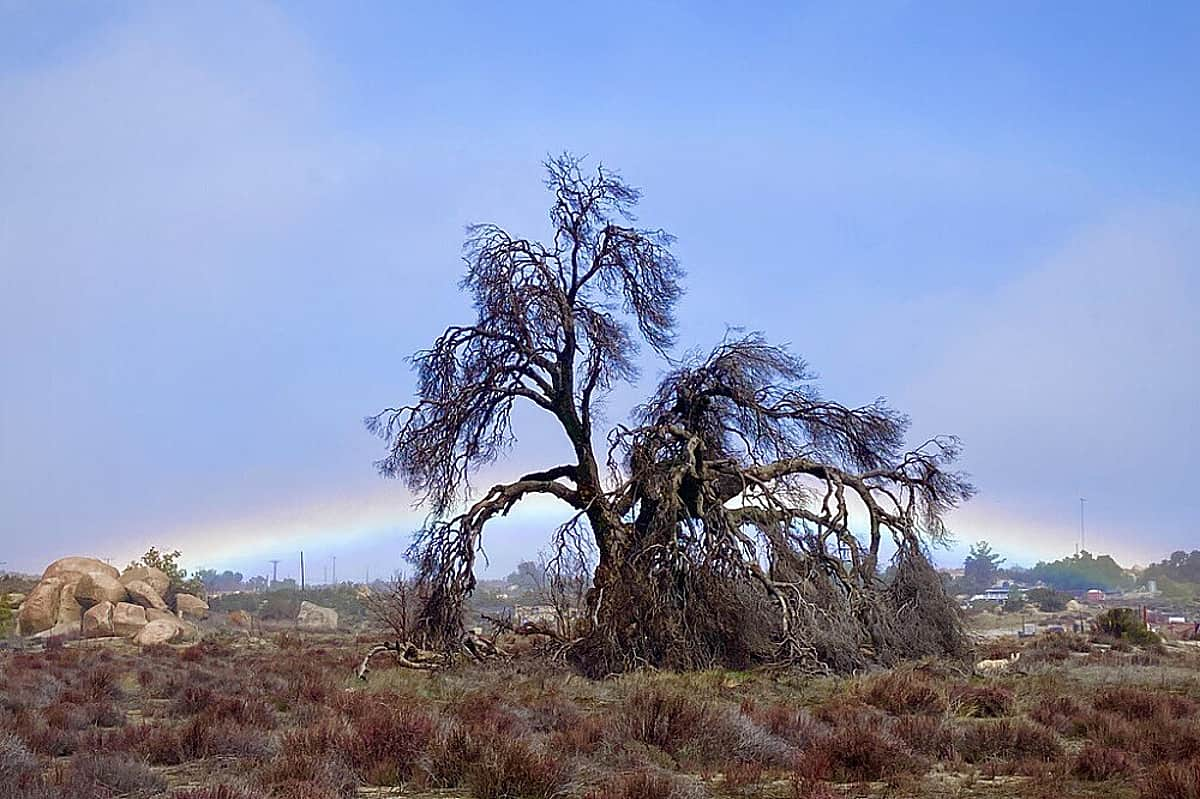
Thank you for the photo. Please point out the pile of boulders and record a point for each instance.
(85, 597)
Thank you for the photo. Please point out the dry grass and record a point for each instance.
(284, 720)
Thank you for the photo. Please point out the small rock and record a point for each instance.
(240, 618)
(15, 599)
(315, 617)
(145, 595)
(128, 619)
(189, 606)
(98, 620)
(96, 588)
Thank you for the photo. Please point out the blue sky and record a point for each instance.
(223, 227)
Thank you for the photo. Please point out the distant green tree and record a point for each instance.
(980, 568)
(528, 575)
(1082, 572)
(224, 581)
(1177, 576)
(1177, 589)
(1125, 624)
(1048, 600)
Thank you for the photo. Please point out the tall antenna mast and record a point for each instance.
(1082, 539)
(274, 572)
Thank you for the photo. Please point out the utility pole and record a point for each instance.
(1082, 539)
(302, 571)
(274, 572)
(334, 569)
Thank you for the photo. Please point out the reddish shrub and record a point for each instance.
(795, 725)
(1007, 739)
(451, 751)
(925, 735)
(861, 749)
(981, 701)
(46, 740)
(1173, 781)
(903, 694)
(1169, 740)
(388, 742)
(1134, 704)
(485, 712)
(1108, 729)
(1063, 714)
(104, 714)
(101, 682)
(1099, 763)
(309, 686)
(66, 716)
(584, 737)
(310, 764)
(999, 649)
(508, 768)
(191, 699)
(248, 712)
(117, 774)
(663, 718)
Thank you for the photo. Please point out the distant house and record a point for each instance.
(999, 592)
(1093, 595)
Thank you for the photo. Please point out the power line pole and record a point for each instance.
(274, 572)
(334, 569)
(1082, 539)
(302, 571)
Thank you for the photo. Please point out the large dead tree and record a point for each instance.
(739, 518)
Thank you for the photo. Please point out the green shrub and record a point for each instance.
(168, 563)
(6, 616)
(1124, 625)
(1048, 600)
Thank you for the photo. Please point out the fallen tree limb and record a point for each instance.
(410, 656)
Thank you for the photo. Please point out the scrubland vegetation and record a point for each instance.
(235, 718)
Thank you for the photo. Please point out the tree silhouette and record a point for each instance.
(720, 515)
(980, 567)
